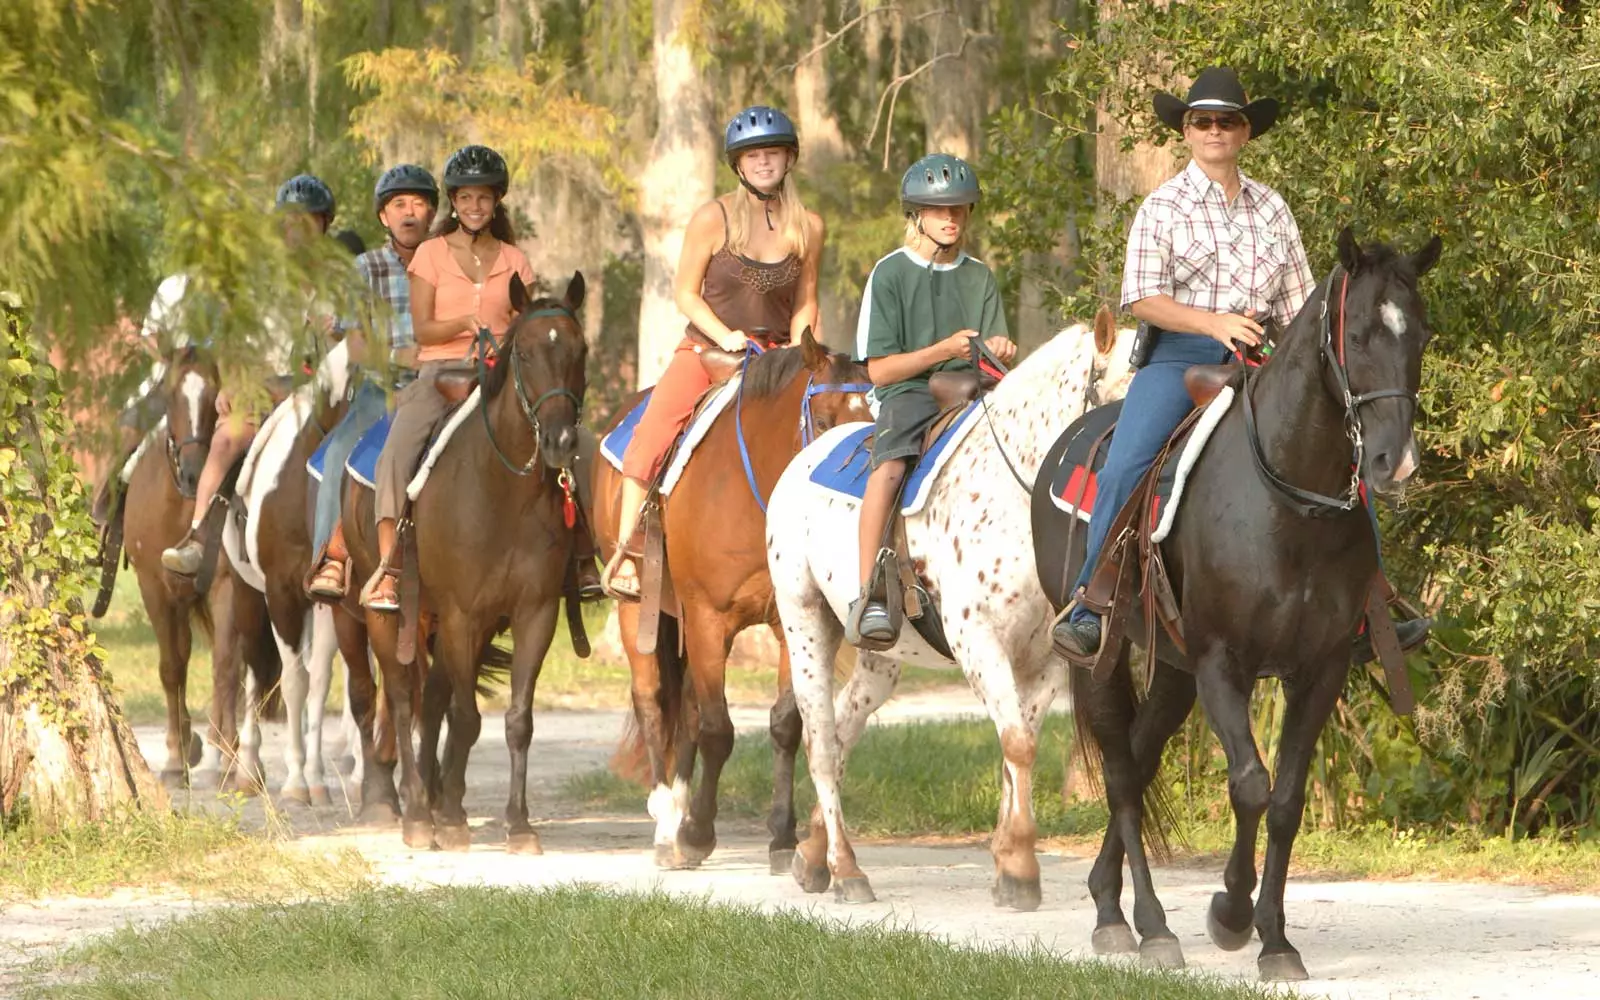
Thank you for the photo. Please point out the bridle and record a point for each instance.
(1309, 503)
(175, 448)
(486, 355)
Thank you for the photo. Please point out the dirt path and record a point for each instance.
(1361, 939)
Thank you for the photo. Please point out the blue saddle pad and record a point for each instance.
(613, 445)
(319, 458)
(363, 463)
(844, 470)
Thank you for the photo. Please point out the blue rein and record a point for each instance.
(807, 424)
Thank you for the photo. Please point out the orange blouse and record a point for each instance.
(455, 294)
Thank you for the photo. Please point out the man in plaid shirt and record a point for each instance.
(405, 201)
(1211, 254)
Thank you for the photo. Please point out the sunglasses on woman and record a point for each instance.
(1226, 123)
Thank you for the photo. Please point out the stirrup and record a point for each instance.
(608, 581)
(369, 594)
(322, 578)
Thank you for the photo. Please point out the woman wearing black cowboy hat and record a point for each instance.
(1211, 255)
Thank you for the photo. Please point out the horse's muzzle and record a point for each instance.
(560, 446)
(1389, 471)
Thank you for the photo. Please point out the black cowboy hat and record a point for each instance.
(1217, 89)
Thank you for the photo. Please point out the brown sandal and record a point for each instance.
(331, 582)
(626, 589)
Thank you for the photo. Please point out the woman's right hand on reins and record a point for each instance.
(1234, 331)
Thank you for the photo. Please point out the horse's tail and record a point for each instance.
(631, 760)
(1160, 814)
(494, 667)
(110, 558)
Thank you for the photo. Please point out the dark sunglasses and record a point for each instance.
(1226, 123)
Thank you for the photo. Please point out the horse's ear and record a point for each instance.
(573, 299)
(519, 295)
(1423, 260)
(815, 355)
(1349, 250)
(1105, 329)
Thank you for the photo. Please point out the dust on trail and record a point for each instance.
(1366, 940)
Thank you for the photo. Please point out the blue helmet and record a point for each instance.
(306, 193)
(939, 179)
(407, 178)
(758, 126)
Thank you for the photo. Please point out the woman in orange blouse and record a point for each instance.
(460, 282)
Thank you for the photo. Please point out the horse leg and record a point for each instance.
(783, 725)
(431, 695)
(379, 802)
(399, 685)
(171, 625)
(1168, 703)
(249, 777)
(1226, 699)
(1306, 711)
(458, 645)
(708, 643)
(227, 656)
(657, 710)
(295, 686)
(531, 636)
(324, 644)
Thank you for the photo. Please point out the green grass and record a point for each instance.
(199, 853)
(918, 779)
(565, 682)
(573, 943)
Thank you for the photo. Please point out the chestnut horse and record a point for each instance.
(492, 551)
(153, 513)
(787, 396)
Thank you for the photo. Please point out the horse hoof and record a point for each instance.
(1017, 893)
(175, 781)
(197, 748)
(453, 838)
(692, 854)
(1114, 939)
(379, 813)
(811, 879)
(855, 889)
(417, 835)
(1282, 967)
(1222, 935)
(780, 862)
(320, 796)
(523, 842)
(300, 795)
(240, 785)
(1161, 953)
(667, 857)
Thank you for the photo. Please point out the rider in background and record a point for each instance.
(460, 282)
(307, 208)
(405, 200)
(748, 271)
(922, 307)
(1211, 254)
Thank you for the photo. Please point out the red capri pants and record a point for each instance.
(671, 403)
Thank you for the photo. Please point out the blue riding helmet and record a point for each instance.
(306, 193)
(407, 178)
(939, 179)
(755, 127)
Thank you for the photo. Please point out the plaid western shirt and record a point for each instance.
(1188, 242)
(385, 273)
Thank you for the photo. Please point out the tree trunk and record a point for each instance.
(65, 748)
(954, 90)
(1144, 168)
(823, 149)
(677, 180)
(508, 31)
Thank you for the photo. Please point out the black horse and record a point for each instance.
(1272, 559)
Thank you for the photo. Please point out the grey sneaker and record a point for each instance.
(868, 626)
(184, 558)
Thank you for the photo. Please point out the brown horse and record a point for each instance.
(272, 551)
(154, 513)
(720, 577)
(492, 551)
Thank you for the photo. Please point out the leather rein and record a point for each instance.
(486, 355)
(1309, 503)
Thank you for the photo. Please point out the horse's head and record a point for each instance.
(1374, 339)
(837, 390)
(191, 395)
(1110, 373)
(544, 356)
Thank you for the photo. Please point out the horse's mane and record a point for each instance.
(495, 378)
(768, 373)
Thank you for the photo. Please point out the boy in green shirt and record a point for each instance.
(923, 305)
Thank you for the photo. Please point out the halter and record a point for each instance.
(807, 421)
(486, 356)
(1309, 503)
(173, 448)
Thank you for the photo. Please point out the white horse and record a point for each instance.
(303, 631)
(972, 542)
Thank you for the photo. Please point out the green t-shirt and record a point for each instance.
(908, 306)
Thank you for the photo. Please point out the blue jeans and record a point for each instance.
(366, 409)
(1155, 405)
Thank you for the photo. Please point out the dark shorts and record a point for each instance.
(903, 421)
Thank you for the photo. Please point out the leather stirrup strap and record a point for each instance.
(211, 543)
(650, 578)
(1380, 628)
(574, 609)
(110, 555)
(410, 589)
(908, 578)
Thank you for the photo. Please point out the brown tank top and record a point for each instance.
(749, 295)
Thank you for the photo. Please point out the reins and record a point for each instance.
(486, 355)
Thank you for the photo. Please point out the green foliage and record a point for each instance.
(578, 942)
(1480, 123)
(45, 536)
